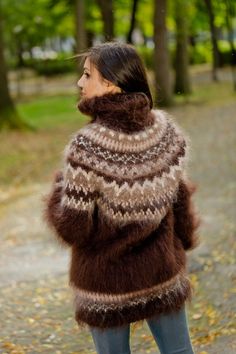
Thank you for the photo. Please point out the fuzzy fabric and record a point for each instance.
(135, 106)
(123, 203)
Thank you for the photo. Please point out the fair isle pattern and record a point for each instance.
(99, 302)
(123, 142)
(131, 177)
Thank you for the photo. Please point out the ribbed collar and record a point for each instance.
(126, 112)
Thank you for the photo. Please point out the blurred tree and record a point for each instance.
(76, 8)
(143, 18)
(230, 15)
(91, 18)
(133, 20)
(182, 79)
(9, 117)
(81, 39)
(106, 7)
(215, 52)
(161, 55)
(29, 27)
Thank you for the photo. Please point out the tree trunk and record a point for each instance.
(9, 118)
(106, 7)
(215, 48)
(81, 40)
(20, 61)
(161, 55)
(132, 23)
(182, 80)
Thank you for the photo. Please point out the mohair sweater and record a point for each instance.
(123, 203)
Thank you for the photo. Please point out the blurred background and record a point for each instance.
(189, 49)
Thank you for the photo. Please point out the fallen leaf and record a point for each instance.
(196, 316)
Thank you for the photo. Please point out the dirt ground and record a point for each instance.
(36, 308)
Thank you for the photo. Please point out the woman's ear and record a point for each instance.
(108, 83)
(112, 88)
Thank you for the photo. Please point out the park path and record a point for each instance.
(35, 301)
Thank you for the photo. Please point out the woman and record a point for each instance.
(123, 204)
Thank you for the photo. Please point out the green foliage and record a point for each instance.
(122, 13)
(200, 53)
(147, 56)
(225, 52)
(145, 17)
(93, 17)
(28, 24)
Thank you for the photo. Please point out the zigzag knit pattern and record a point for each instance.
(131, 177)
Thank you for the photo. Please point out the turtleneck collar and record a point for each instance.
(126, 112)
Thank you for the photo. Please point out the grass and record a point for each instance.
(214, 94)
(30, 157)
(49, 112)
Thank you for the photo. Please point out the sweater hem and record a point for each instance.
(108, 315)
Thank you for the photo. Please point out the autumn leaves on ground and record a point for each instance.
(36, 308)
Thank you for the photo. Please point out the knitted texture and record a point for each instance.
(123, 202)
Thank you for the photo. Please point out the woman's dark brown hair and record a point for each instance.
(120, 64)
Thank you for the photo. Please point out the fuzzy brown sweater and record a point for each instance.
(123, 203)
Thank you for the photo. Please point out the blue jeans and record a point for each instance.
(170, 332)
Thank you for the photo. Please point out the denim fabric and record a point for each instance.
(170, 332)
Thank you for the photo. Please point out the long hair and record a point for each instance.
(120, 64)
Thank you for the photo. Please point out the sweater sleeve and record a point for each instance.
(70, 204)
(186, 221)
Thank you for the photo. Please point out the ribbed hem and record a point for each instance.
(104, 313)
